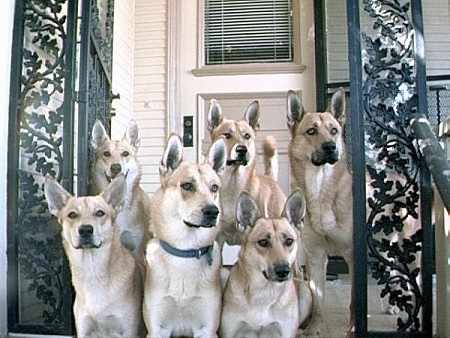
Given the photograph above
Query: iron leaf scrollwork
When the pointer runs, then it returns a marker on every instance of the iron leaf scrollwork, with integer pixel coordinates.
(40, 252)
(389, 101)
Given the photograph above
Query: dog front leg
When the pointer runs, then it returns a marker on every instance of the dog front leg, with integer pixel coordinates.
(316, 267)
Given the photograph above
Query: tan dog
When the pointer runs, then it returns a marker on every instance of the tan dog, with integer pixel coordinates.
(105, 275)
(319, 167)
(261, 298)
(240, 173)
(182, 286)
(112, 157)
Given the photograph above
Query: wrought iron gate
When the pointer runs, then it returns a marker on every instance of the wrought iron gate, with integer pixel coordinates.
(60, 83)
(388, 86)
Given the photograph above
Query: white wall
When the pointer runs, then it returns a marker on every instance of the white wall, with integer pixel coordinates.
(6, 24)
(150, 86)
(123, 55)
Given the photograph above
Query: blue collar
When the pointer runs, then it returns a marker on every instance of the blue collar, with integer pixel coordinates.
(195, 253)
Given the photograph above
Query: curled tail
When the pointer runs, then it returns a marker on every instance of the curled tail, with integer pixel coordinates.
(270, 157)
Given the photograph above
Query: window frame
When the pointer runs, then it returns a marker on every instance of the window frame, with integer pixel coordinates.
(249, 68)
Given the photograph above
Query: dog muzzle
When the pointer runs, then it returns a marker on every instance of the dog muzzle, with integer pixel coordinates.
(241, 155)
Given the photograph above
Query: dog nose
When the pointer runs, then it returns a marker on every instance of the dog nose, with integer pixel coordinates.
(329, 147)
(210, 211)
(282, 270)
(116, 168)
(241, 150)
(86, 231)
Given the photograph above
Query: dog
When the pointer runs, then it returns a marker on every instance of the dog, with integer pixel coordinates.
(112, 157)
(319, 167)
(261, 298)
(240, 172)
(182, 286)
(106, 277)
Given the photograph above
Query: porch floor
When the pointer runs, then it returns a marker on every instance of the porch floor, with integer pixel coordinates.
(337, 311)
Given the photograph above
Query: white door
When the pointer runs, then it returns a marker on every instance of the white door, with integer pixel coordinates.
(191, 85)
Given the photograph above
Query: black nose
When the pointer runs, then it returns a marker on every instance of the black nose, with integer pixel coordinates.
(329, 147)
(210, 211)
(116, 168)
(86, 231)
(282, 270)
(241, 150)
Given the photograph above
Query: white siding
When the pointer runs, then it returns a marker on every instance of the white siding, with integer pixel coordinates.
(436, 17)
(150, 86)
(123, 53)
(337, 46)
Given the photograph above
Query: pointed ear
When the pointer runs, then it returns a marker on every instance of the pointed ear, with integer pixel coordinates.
(132, 134)
(98, 135)
(114, 193)
(215, 115)
(173, 155)
(246, 212)
(294, 208)
(294, 109)
(251, 115)
(55, 195)
(337, 105)
(217, 156)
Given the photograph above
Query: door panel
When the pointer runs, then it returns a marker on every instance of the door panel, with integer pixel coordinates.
(272, 122)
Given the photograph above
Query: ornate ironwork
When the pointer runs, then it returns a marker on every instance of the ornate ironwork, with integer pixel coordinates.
(102, 15)
(40, 254)
(389, 102)
(95, 78)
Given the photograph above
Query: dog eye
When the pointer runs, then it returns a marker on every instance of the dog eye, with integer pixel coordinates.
(247, 136)
(311, 131)
(263, 243)
(333, 131)
(72, 215)
(99, 213)
(289, 241)
(227, 135)
(106, 154)
(214, 188)
(125, 154)
(188, 186)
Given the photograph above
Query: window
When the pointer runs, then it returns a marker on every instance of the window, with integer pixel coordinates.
(246, 31)
(250, 36)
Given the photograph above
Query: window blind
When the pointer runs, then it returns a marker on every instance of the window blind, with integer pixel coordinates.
(248, 31)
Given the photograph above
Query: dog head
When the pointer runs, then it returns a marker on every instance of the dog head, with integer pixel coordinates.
(87, 222)
(112, 157)
(270, 244)
(186, 207)
(239, 135)
(316, 137)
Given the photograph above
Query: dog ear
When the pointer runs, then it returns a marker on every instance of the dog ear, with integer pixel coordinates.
(294, 208)
(294, 109)
(132, 134)
(251, 115)
(98, 135)
(337, 105)
(215, 115)
(173, 155)
(246, 212)
(217, 156)
(114, 193)
(55, 195)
